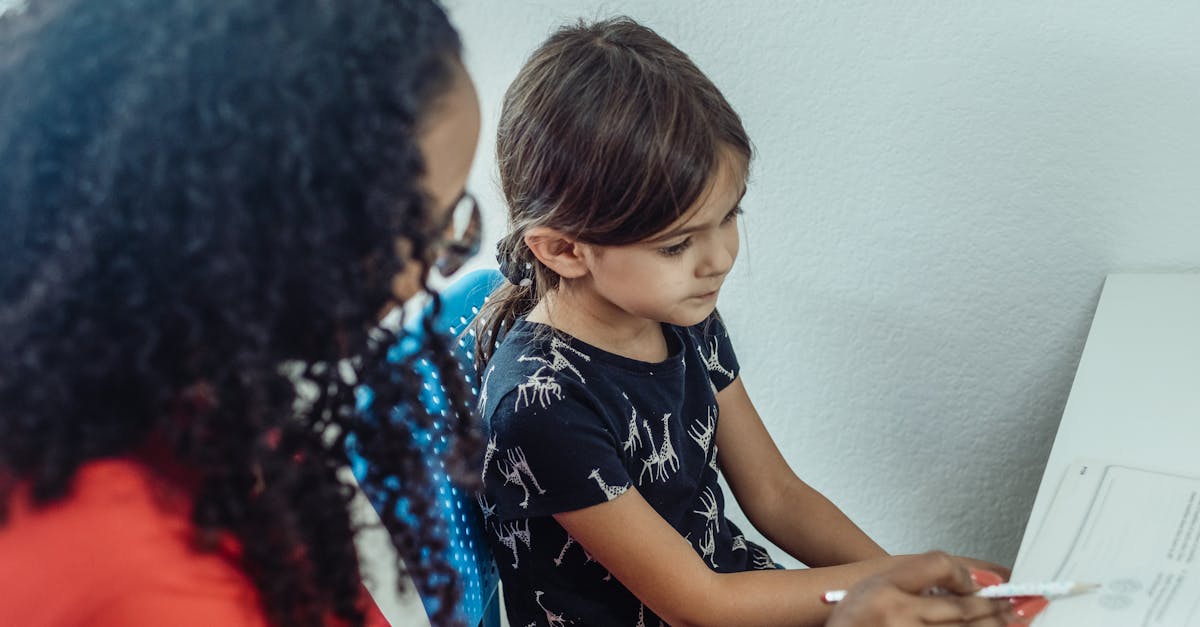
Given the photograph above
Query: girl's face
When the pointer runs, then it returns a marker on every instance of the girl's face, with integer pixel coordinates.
(447, 142)
(675, 275)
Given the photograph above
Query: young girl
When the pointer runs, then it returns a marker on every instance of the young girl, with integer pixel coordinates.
(613, 394)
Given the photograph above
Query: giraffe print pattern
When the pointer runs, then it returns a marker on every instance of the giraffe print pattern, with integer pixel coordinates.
(713, 360)
(634, 440)
(515, 471)
(610, 492)
(487, 458)
(553, 619)
(662, 460)
(481, 406)
(587, 557)
(511, 535)
(761, 559)
(702, 431)
(542, 386)
(656, 432)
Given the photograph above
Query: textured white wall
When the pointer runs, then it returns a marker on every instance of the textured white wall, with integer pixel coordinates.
(939, 191)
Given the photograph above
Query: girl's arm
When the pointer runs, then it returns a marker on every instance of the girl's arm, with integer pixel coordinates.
(897, 598)
(789, 512)
(661, 568)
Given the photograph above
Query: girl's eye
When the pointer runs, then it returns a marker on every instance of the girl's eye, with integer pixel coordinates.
(671, 251)
(732, 215)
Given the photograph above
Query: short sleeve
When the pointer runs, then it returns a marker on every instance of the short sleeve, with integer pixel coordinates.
(550, 452)
(716, 350)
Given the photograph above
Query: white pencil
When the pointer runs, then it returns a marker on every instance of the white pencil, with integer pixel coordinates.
(1049, 589)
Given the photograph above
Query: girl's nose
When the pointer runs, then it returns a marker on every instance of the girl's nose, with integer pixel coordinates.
(718, 260)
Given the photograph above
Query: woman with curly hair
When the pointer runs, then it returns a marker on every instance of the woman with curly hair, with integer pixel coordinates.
(205, 208)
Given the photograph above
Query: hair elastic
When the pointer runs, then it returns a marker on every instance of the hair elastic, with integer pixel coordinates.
(519, 273)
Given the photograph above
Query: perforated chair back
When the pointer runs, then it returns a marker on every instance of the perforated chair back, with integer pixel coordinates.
(467, 548)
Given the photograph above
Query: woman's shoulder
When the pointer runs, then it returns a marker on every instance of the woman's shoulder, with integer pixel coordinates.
(119, 548)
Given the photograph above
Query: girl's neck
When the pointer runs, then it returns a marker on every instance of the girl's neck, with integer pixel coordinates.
(602, 326)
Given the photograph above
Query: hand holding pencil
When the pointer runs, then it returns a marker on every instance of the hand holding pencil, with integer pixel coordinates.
(896, 598)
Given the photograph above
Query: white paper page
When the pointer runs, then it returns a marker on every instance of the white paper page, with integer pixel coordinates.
(1135, 532)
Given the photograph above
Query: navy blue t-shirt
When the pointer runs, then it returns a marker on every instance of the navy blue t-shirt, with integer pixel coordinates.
(572, 426)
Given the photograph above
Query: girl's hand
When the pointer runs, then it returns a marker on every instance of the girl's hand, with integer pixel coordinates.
(895, 598)
(1024, 608)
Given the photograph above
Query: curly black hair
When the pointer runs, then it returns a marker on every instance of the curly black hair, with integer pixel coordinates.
(200, 203)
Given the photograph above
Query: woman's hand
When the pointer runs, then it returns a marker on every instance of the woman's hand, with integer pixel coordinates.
(1002, 571)
(895, 598)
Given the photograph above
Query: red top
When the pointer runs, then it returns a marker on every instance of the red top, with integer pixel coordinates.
(117, 551)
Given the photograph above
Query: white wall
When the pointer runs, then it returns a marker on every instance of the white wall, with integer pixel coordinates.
(939, 191)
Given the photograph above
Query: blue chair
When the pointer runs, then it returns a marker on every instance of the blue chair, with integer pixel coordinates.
(467, 548)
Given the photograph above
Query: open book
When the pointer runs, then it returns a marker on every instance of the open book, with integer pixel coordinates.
(1133, 531)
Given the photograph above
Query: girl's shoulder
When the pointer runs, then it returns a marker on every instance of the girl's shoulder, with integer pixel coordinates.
(533, 361)
(710, 341)
(530, 347)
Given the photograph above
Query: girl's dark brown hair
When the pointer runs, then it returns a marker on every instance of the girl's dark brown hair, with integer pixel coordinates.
(609, 134)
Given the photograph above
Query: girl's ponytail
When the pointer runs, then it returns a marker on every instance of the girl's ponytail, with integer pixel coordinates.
(515, 298)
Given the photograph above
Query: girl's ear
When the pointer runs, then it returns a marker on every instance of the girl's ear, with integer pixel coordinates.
(556, 251)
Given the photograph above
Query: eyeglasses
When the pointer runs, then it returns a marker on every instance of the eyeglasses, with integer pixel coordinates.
(459, 239)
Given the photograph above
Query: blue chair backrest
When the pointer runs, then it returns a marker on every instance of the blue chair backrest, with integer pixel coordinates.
(467, 548)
